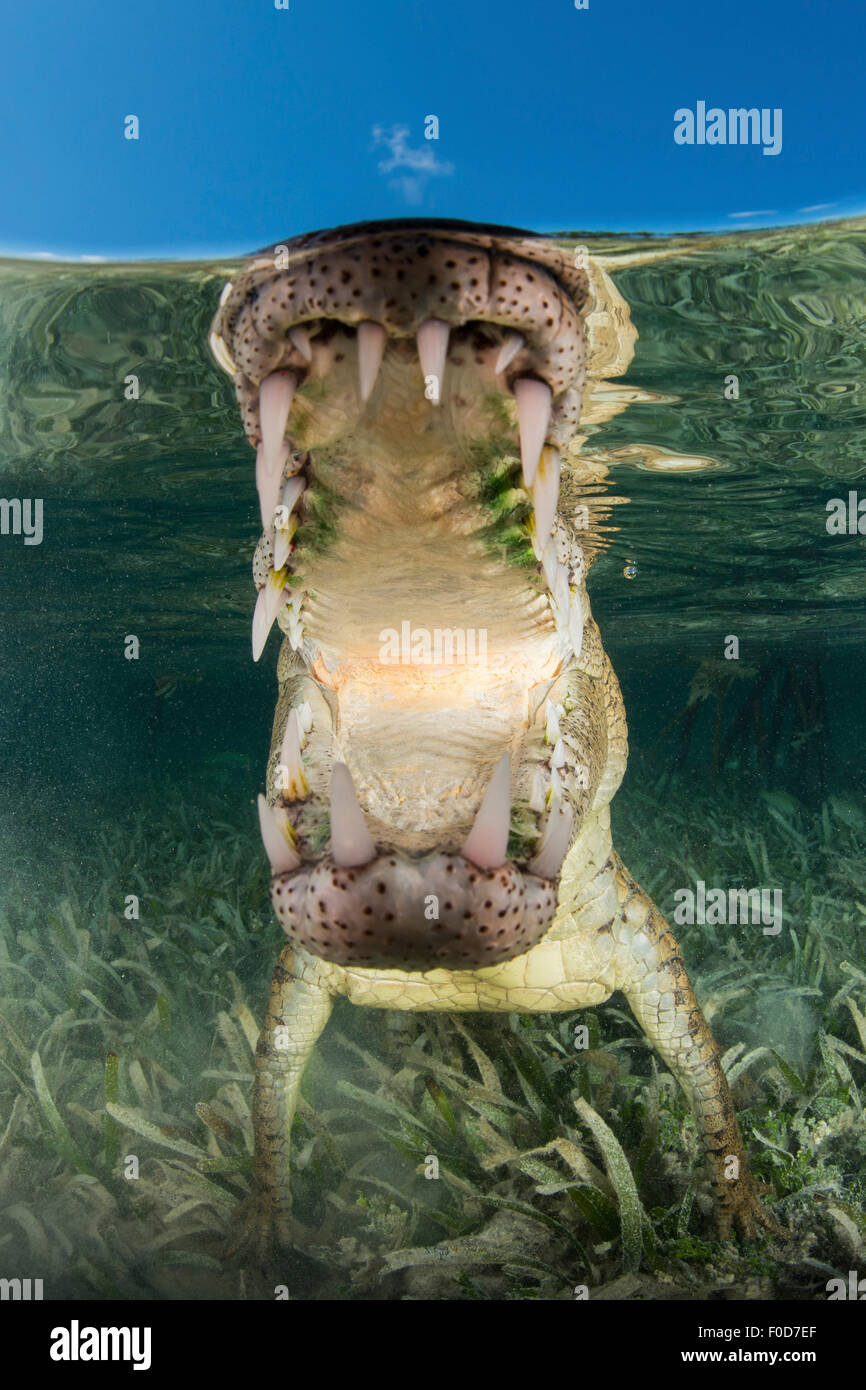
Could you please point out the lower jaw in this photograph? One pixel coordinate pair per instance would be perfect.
(439, 911)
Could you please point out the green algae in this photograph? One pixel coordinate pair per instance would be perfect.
(556, 1167)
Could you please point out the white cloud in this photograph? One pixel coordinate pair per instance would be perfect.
(419, 163)
(762, 212)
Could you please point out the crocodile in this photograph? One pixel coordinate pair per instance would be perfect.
(449, 731)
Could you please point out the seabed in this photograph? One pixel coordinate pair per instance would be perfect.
(436, 1157)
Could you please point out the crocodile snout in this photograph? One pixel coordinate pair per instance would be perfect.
(440, 733)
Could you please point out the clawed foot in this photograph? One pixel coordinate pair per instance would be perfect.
(264, 1232)
(740, 1208)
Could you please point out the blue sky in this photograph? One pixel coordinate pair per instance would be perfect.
(258, 123)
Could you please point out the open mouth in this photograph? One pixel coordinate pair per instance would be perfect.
(441, 733)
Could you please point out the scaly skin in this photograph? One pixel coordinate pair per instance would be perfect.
(404, 487)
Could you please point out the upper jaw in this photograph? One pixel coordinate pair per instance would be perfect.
(333, 358)
(399, 278)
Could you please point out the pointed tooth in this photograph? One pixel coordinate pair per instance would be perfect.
(557, 757)
(275, 596)
(548, 564)
(533, 399)
(300, 338)
(296, 626)
(292, 782)
(554, 792)
(282, 542)
(305, 719)
(371, 345)
(351, 843)
(277, 838)
(275, 399)
(221, 353)
(260, 630)
(551, 729)
(560, 590)
(269, 484)
(554, 843)
(537, 801)
(433, 335)
(285, 522)
(509, 350)
(545, 493)
(225, 292)
(487, 842)
(266, 610)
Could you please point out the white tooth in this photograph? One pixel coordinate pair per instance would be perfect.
(292, 783)
(300, 338)
(351, 844)
(269, 485)
(557, 757)
(551, 732)
(296, 626)
(275, 596)
(554, 843)
(509, 350)
(266, 610)
(275, 399)
(537, 800)
(548, 563)
(554, 794)
(221, 353)
(282, 542)
(371, 345)
(226, 291)
(433, 337)
(575, 623)
(305, 719)
(487, 842)
(278, 838)
(545, 493)
(533, 416)
(285, 523)
(560, 589)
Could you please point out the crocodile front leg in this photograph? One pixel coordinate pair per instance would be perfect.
(651, 974)
(299, 1006)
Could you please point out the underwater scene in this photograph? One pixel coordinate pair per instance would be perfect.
(718, 464)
